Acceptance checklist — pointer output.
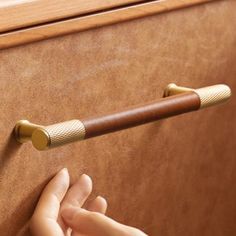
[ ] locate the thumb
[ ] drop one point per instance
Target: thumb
(96, 224)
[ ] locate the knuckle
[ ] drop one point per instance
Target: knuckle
(92, 216)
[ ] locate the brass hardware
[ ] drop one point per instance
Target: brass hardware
(173, 89)
(24, 130)
(209, 96)
(45, 137)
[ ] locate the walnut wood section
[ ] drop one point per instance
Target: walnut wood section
(167, 107)
(18, 14)
(93, 21)
(175, 177)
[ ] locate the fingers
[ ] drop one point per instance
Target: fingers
(99, 204)
(49, 203)
(76, 196)
(95, 224)
(78, 192)
(45, 216)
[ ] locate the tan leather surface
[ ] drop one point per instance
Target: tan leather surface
(142, 114)
(174, 177)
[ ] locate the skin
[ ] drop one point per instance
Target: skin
(59, 211)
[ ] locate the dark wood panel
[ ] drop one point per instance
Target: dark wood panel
(174, 177)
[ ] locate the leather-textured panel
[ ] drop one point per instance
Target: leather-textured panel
(173, 177)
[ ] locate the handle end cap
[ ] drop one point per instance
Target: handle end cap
(40, 139)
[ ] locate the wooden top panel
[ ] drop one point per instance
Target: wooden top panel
(88, 21)
(23, 13)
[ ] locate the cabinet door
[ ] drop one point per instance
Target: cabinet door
(172, 177)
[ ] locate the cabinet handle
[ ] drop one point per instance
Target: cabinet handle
(177, 100)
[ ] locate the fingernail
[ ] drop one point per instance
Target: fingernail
(102, 199)
(86, 177)
(64, 170)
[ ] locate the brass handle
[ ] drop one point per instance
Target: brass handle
(209, 96)
(177, 100)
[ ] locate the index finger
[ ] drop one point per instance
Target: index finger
(44, 220)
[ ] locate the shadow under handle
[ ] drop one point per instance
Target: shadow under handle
(178, 100)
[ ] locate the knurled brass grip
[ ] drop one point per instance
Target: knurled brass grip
(44, 137)
(213, 95)
(178, 100)
(209, 96)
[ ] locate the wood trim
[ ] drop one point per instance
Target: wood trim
(19, 14)
(73, 25)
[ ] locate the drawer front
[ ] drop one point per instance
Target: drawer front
(172, 177)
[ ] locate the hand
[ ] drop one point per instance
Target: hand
(59, 211)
